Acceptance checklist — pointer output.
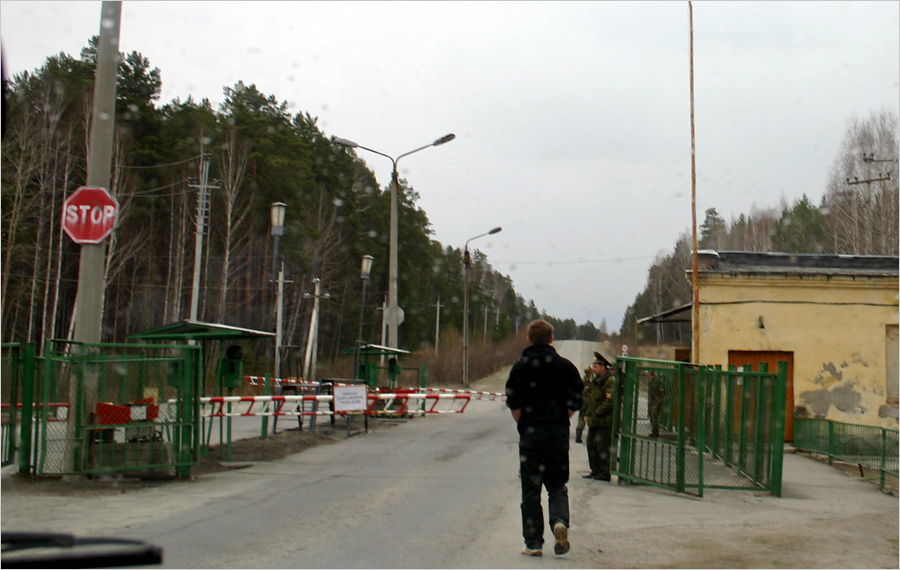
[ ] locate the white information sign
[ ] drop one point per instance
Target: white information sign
(350, 398)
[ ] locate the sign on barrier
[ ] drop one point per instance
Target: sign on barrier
(350, 398)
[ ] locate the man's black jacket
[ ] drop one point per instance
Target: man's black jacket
(544, 386)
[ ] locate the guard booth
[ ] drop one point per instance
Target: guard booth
(370, 358)
(229, 369)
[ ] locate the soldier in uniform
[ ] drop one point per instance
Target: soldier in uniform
(599, 419)
(588, 379)
(656, 392)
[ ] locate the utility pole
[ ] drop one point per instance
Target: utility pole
(695, 264)
(868, 159)
(279, 320)
(200, 226)
(312, 341)
(437, 326)
(92, 262)
(89, 299)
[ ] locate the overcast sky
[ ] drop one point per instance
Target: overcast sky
(572, 118)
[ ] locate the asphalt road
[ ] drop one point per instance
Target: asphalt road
(443, 492)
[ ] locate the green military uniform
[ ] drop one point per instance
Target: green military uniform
(588, 380)
(599, 419)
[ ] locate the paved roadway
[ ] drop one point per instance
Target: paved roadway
(442, 492)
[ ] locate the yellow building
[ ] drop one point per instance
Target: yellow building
(833, 318)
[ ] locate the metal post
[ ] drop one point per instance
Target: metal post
(279, 304)
(393, 311)
(465, 358)
(394, 314)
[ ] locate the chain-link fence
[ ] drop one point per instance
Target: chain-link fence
(116, 407)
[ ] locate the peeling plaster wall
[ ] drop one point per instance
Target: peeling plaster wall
(835, 327)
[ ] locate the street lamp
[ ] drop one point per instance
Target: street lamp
(364, 273)
(393, 313)
(277, 218)
(467, 261)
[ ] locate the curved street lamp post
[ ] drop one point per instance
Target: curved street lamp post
(393, 313)
(467, 261)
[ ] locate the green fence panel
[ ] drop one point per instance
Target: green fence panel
(873, 447)
(10, 415)
(688, 428)
(117, 407)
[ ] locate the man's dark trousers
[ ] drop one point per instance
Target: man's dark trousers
(599, 446)
(544, 462)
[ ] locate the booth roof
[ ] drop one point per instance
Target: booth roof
(197, 330)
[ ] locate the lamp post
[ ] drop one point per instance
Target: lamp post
(364, 273)
(393, 313)
(277, 218)
(467, 261)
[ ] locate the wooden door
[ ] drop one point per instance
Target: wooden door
(772, 358)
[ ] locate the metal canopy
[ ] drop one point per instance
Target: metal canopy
(671, 316)
(197, 330)
(376, 349)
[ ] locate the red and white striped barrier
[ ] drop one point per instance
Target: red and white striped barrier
(474, 394)
(378, 404)
(280, 382)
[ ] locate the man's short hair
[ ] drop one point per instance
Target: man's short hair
(540, 332)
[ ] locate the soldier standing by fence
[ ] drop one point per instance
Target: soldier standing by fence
(599, 418)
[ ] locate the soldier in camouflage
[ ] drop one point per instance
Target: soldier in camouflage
(599, 419)
(588, 379)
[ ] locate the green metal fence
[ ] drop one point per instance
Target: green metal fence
(685, 427)
(17, 375)
(116, 407)
(868, 446)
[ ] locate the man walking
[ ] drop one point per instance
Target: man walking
(599, 412)
(543, 391)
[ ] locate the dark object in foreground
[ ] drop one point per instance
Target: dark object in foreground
(48, 550)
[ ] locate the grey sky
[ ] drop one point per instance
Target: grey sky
(572, 118)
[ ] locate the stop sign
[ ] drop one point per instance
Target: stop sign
(89, 215)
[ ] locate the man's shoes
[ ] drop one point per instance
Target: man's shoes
(532, 552)
(561, 533)
(601, 477)
(590, 476)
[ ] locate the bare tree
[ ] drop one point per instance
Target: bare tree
(861, 193)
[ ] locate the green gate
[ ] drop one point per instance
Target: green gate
(686, 427)
(116, 407)
(17, 380)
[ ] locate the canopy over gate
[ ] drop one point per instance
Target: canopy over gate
(198, 330)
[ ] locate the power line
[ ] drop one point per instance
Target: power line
(572, 262)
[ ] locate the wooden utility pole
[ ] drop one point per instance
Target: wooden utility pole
(695, 272)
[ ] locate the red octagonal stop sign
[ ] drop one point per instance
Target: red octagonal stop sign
(89, 215)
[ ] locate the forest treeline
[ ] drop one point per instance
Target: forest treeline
(257, 153)
(856, 215)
